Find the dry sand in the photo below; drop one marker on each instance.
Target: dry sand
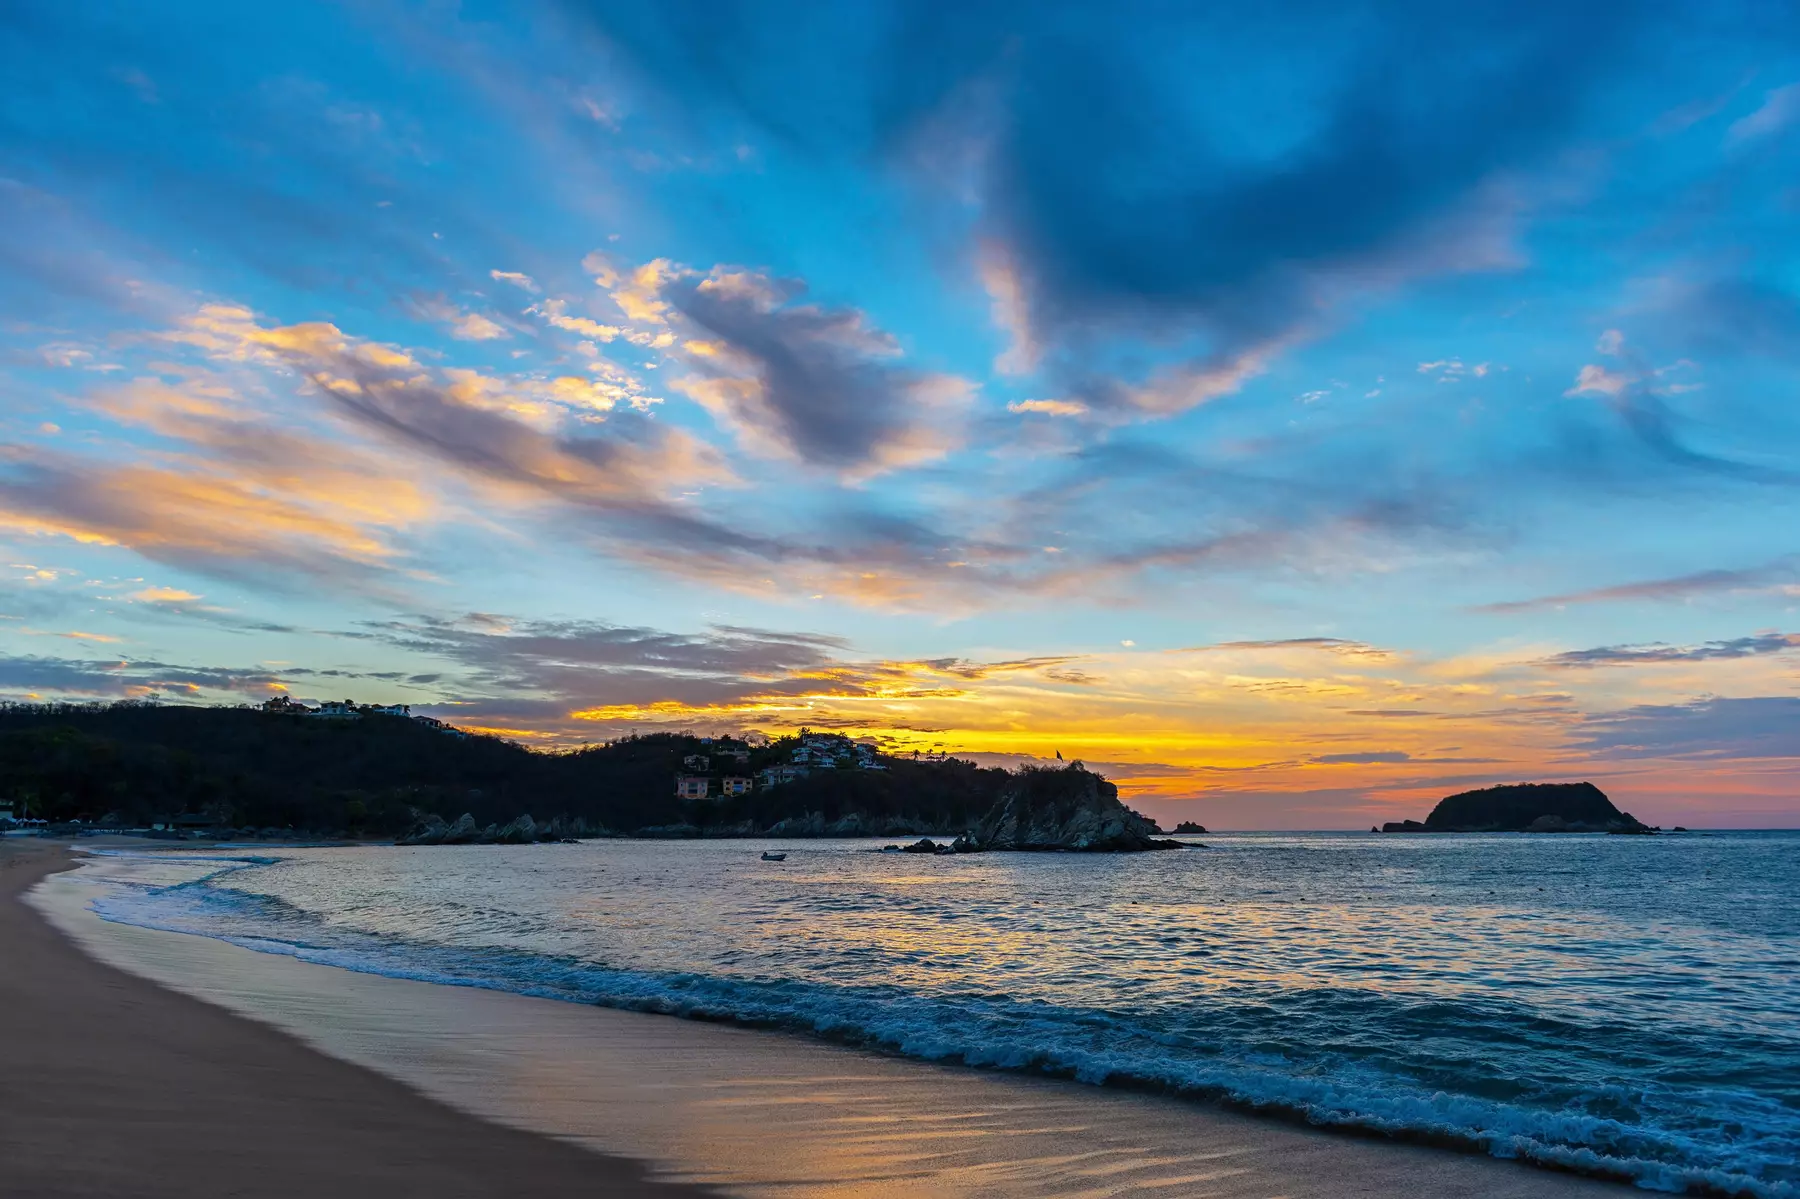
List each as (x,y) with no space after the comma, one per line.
(745,1112)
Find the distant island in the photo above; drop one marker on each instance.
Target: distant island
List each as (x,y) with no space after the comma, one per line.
(345,771)
(1525,808)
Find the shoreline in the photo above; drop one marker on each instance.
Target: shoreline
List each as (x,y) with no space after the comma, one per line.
(115,1086)
(696,1100)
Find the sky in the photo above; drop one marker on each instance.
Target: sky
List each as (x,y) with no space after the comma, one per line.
(1298,413)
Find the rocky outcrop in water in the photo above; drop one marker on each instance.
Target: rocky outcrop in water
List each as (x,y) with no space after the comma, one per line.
(1069,810)
(1525,808)
(1190,826)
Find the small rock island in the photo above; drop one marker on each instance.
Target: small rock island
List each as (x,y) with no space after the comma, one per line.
(1525,808)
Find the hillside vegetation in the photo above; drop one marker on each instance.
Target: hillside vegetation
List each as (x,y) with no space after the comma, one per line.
(133,764)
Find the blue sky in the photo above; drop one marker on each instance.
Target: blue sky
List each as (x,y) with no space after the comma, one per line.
(1173,386)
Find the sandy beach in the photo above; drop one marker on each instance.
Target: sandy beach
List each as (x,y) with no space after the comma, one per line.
(273,1076)
(113,1086)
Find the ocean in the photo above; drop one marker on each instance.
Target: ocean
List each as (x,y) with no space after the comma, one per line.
(1627,1006)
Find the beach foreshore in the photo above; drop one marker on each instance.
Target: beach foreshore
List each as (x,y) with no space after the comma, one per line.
(113,1086)
(147,1079)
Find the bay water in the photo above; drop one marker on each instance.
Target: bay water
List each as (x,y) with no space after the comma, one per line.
(1627,1006)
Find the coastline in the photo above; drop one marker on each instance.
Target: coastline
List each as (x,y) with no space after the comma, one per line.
(698,1100)
(115,1086)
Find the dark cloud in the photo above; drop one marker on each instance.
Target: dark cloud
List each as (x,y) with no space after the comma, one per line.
(1363,759)
(587,663)
(1760,727)
(1119,202)
(87,678)
(1646,411)
(1113,197)
(1639,655)
(544,671)
(820,384)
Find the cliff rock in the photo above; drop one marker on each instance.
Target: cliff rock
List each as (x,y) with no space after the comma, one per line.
(1068,809)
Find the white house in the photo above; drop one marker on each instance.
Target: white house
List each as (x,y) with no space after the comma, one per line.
(691,786)
(774,776)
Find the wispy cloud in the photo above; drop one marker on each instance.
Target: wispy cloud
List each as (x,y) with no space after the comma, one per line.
(1640,655)
(1782,573)
(1779,109)
(518,280)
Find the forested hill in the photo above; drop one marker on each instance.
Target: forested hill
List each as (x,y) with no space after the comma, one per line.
(133,764)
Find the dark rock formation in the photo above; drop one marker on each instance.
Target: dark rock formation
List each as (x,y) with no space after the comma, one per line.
(810,825)
(1525,808)
(1068,809)
(669,832)
(1190,826)
(522,830)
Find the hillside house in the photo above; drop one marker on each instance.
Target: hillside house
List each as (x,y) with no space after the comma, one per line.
(736,785)
(692,786)
(696,762)
(774,776)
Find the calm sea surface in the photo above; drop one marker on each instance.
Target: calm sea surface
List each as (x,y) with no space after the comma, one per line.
(1628,1005)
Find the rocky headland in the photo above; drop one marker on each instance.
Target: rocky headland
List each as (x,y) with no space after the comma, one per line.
(1046,809)
(1070,810)
(1525,808)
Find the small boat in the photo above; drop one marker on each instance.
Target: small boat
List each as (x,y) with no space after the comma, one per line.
(774,857)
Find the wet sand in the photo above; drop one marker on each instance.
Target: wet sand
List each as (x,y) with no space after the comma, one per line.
(113,1086)
(743,1111)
